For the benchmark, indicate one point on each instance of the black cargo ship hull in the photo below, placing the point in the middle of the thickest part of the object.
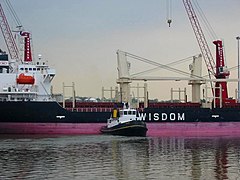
(53, 112)
(51, 117)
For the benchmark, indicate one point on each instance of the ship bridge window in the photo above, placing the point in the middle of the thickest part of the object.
(34, 69)
(221, 69)
(30, 69)
(121, 113)
(38, 69)
(21, 69)
(125, 112)
(131, 112)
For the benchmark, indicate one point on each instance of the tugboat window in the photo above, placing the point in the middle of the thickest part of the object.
(121, 113)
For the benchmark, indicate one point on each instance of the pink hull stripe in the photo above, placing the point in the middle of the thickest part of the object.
(154, 129)
(195, 129)
(50, 128)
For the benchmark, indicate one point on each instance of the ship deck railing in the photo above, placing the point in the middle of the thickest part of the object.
(90, 109)
(108, 107)
(17, 96)
(171, 104)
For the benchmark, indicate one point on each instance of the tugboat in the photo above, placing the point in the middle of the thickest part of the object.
(125, 122)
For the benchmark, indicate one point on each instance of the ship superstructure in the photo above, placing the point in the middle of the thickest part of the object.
(28, 82)
(21, 77)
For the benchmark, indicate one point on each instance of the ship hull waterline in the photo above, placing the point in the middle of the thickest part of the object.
(204, 129)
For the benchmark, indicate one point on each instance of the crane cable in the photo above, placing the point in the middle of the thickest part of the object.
(158, 68)
(169, 12)
(13, 14)
(158, 64)
(205, 21)
(212, 34)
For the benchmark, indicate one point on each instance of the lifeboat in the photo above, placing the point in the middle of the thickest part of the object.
(23, 79)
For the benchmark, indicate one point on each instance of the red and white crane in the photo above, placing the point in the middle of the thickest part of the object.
(218, 69)
(8, 37)
(10, 41)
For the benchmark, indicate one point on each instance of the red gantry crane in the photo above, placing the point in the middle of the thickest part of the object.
(219, 70)
(10, 41)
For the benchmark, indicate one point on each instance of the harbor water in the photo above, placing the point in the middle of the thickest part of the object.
(116, 157)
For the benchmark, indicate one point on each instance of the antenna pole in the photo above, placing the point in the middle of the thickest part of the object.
(238, 38)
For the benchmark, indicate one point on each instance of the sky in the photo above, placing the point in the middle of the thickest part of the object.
(79, 38)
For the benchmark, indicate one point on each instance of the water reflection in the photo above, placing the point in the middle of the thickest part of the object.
(115, 157)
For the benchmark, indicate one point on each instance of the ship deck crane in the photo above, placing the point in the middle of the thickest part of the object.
(8, 37)
(10, 41)
(219, 69)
